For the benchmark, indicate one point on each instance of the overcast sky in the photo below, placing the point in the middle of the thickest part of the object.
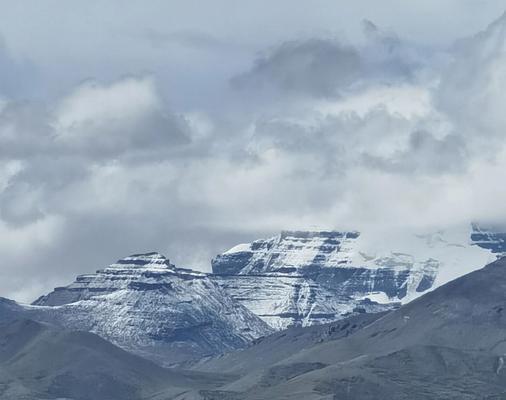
(189, 126)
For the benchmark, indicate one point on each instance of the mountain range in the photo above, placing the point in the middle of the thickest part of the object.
(446, 344)
(176, 316)
(300, 278)
(302, 315)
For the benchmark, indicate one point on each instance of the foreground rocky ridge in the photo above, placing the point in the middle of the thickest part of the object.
(42, 361)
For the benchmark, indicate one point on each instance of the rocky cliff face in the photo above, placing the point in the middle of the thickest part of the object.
(492, 239)
(290, 253)
(303, 278)
(146, 305)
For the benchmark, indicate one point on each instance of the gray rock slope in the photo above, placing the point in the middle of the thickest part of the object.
(40, 361)
(448, 344)
(145, 305)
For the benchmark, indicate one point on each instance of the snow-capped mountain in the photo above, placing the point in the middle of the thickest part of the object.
(146, 305)
(303, 278)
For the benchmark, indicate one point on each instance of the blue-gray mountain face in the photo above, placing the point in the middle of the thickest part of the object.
(146, 305)
(305, 278)
(492, 239)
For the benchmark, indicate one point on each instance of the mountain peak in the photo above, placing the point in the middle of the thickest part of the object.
(147, 305)
(289, 252)
(147, 260)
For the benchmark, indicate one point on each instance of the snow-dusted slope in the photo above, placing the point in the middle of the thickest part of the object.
(288, 253)
(146, 305)
(303, 278)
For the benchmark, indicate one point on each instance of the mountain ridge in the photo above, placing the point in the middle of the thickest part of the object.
(304, 278)
(172, 315)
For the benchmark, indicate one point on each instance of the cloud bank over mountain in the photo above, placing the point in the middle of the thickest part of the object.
(132, 137)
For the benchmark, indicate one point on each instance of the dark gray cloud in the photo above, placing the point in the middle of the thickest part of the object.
(314, 67)
(388, 58)
(328, 68)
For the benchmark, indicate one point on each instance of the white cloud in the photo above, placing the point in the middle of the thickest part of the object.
(111, 119)
(123, 101)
